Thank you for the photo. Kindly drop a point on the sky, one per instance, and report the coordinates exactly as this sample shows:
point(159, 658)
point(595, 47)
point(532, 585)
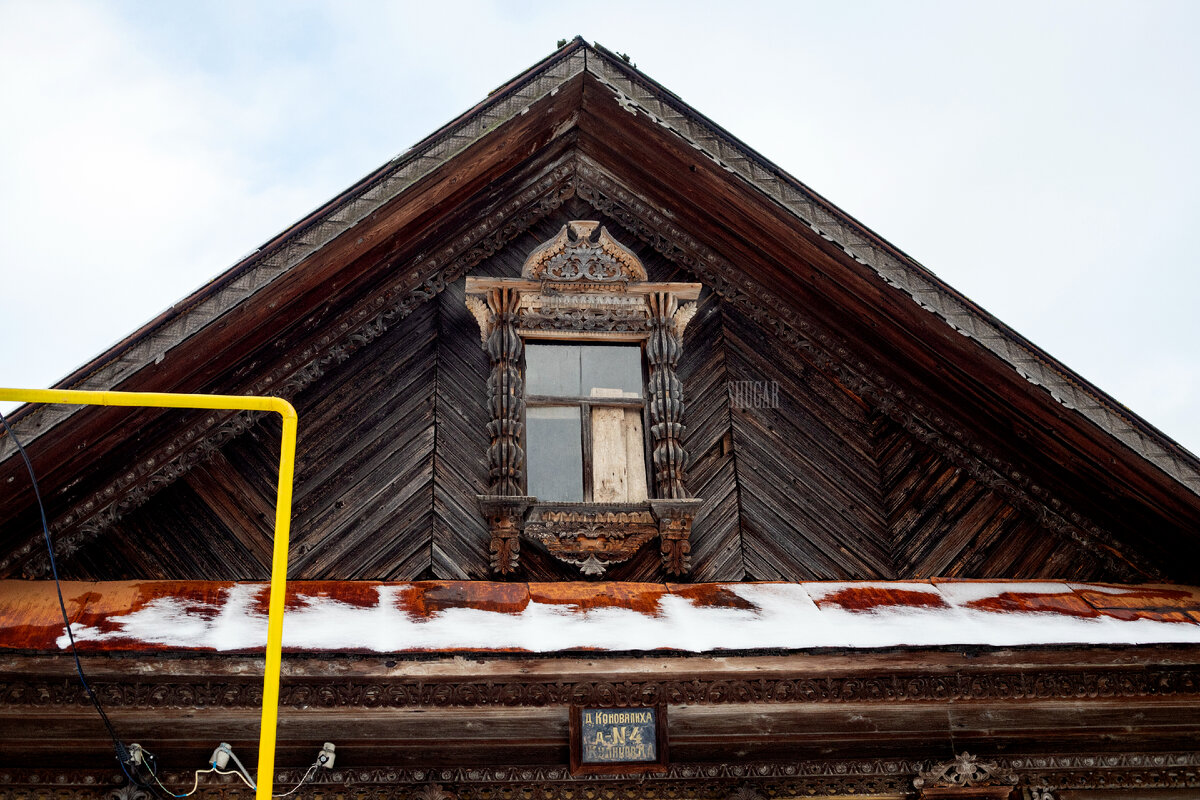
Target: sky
point(1040, 157)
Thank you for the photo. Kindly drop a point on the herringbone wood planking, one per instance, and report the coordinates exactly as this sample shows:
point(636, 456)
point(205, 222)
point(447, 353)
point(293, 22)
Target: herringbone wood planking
point(942, 522)
point(712, 475)
point(365, 460)
point(810, 501)
point(460, 535)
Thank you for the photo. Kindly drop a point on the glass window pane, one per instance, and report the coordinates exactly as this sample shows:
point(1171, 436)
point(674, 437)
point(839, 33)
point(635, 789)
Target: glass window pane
point(552, 369)
point(554, 453)
point(611, 371)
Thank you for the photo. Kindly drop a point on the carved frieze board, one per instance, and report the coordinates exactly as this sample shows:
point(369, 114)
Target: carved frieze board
point(550, 617)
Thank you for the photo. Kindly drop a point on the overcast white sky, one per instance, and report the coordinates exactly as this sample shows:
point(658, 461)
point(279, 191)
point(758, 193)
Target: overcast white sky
point(1040, 157)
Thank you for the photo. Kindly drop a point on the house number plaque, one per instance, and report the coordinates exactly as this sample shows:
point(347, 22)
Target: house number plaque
point(618, 740)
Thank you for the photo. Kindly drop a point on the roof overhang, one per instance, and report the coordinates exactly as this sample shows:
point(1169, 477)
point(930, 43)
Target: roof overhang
point(583, 121)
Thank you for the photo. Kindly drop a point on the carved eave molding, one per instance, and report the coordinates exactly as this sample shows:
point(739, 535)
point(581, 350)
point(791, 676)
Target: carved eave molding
point(1079, 684)
point(638, 95)
point(835, 356)
point(582, 177)
point(412, 284)
point(766, 780)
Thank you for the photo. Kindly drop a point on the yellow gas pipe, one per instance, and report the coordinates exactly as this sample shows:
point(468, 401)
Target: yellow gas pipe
point(283, 516)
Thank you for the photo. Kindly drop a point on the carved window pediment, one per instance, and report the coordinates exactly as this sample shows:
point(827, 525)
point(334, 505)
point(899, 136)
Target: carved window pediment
point(584, 286)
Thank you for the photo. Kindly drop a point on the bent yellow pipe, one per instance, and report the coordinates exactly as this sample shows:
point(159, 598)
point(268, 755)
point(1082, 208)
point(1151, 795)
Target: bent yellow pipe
point(283, 516)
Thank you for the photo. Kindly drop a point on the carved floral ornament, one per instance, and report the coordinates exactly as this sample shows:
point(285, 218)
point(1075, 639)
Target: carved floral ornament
point(584, 285)
point(967, 778)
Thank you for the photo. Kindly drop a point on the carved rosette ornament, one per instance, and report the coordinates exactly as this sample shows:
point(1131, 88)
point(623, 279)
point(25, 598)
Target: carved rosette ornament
point(431, 791)
point(965, 778)
point(584, 285)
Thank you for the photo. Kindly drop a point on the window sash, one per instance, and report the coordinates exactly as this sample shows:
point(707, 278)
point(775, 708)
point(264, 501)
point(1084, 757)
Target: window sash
point(637, 478)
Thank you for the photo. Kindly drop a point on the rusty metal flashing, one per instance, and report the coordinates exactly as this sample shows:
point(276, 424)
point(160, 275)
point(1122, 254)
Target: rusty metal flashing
point(447, 617)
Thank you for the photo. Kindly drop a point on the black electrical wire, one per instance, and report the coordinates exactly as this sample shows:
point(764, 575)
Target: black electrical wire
point(119, 747)
point(122, 751)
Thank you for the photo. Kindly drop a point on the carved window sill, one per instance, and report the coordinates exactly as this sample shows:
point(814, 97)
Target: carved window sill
point(590, 536)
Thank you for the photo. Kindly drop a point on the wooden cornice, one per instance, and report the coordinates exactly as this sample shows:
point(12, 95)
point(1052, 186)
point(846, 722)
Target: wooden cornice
point(1074, 717)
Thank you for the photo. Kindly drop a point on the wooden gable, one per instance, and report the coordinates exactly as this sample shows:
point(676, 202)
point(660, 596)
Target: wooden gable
point(848, 415)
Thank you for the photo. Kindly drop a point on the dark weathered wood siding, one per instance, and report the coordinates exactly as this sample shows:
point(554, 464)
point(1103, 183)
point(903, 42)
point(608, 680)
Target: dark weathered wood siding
point(813, 483)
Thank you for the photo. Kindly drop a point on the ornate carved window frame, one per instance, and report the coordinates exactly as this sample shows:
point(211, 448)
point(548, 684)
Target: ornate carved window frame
point(583, 285)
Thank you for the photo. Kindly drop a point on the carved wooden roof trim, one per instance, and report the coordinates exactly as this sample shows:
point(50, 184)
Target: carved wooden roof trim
point(595, 185)
point(272, 260)
point(358, 326)
point(637, 94)
point(900, 403)
point(1139, 771)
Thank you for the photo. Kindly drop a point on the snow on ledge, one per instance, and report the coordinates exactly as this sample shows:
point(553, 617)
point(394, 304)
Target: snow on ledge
point(545, 618)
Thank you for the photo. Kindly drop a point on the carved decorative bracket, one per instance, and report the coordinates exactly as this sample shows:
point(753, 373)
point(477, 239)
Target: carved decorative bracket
point(583, 284)
point(505, 516)
point(675, 531)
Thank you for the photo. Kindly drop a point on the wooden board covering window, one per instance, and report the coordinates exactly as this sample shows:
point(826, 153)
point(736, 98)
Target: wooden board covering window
point(618, 452)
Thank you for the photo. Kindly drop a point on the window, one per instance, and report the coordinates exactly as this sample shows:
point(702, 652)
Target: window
point(584, 397)
point(584, 411)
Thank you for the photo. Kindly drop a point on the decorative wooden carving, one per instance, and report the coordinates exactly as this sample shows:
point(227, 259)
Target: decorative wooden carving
point(583, 284)
point(855, 686)
point(966, 778)
point(583, 257)
point(506, 395)
point(745, 792)
point(432, 791)
point(505, 505)
point(1124, 773)
point(594, 538)
point(506, 517)
point(666, 394)
point(674, 532)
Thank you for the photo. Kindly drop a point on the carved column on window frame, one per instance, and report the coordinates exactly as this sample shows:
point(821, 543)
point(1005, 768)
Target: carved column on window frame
point(673, 508)
point(666, 397)
point(506, 396)
point(504, 505)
